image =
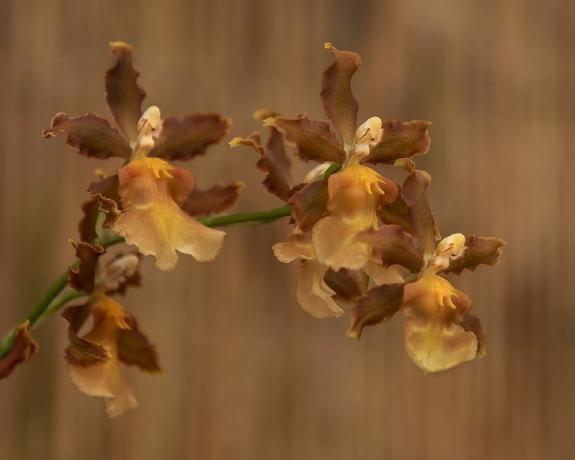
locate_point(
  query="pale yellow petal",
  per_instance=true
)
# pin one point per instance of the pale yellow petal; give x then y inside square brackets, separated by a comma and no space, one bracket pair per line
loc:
[437,346]
[152,219]
[435,338]
[296,247]
[105,380]
[335,244]
[313,294]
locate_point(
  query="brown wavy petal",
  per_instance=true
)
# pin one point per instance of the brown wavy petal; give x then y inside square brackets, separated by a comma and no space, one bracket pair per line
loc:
[22,350]
[82,274]
[336,95]
[123,93]
[379,304]
[89,135]
[480,250]
[105,192]
[191,136]
[419,214]
[393,246]
[309,204]
[273,161]
[215,199]
[313,138]
[135,349]
[347,284]
[401,140]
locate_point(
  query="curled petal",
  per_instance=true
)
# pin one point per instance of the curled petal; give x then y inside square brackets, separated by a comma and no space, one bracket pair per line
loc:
[184,139]
[419,214]
[313,138]
[106,194]
[273,161]
[296,247]
[152,220]
[480,250]
[378,305]
[392,245]
[82,274]
[93,359]
[215,199]
[337,98]
[23,348]
[309,204]
[401,140]
[348,285]
[435,336]
[89,135]
[336,245]
[313,294]
[123,93]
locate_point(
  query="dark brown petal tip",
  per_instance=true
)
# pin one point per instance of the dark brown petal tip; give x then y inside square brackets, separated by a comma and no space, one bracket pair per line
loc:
[336,95]
[90,135]
[313,138]
[123,94]
[191,136]
[309,204]
[401,140]
[215,199]
[379,304]
[23,348]
[481,250]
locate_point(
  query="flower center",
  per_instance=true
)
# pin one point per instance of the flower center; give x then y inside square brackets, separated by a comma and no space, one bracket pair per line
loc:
[149,129]
[366,136]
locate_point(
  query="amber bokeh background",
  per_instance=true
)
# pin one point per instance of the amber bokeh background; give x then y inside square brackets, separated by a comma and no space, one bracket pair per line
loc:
[247,374]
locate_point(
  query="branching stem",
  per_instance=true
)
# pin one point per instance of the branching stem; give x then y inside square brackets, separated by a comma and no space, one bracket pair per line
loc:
[50,303]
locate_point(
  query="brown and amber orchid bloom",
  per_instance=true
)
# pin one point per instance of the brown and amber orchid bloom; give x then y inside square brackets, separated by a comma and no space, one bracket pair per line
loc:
[149,202]
[95,358]
[440,331]
[341,198]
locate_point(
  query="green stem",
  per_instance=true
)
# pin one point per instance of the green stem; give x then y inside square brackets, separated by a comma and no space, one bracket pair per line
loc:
[47,303]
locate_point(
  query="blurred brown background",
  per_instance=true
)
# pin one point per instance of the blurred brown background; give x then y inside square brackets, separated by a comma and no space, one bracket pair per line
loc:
[247,374]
